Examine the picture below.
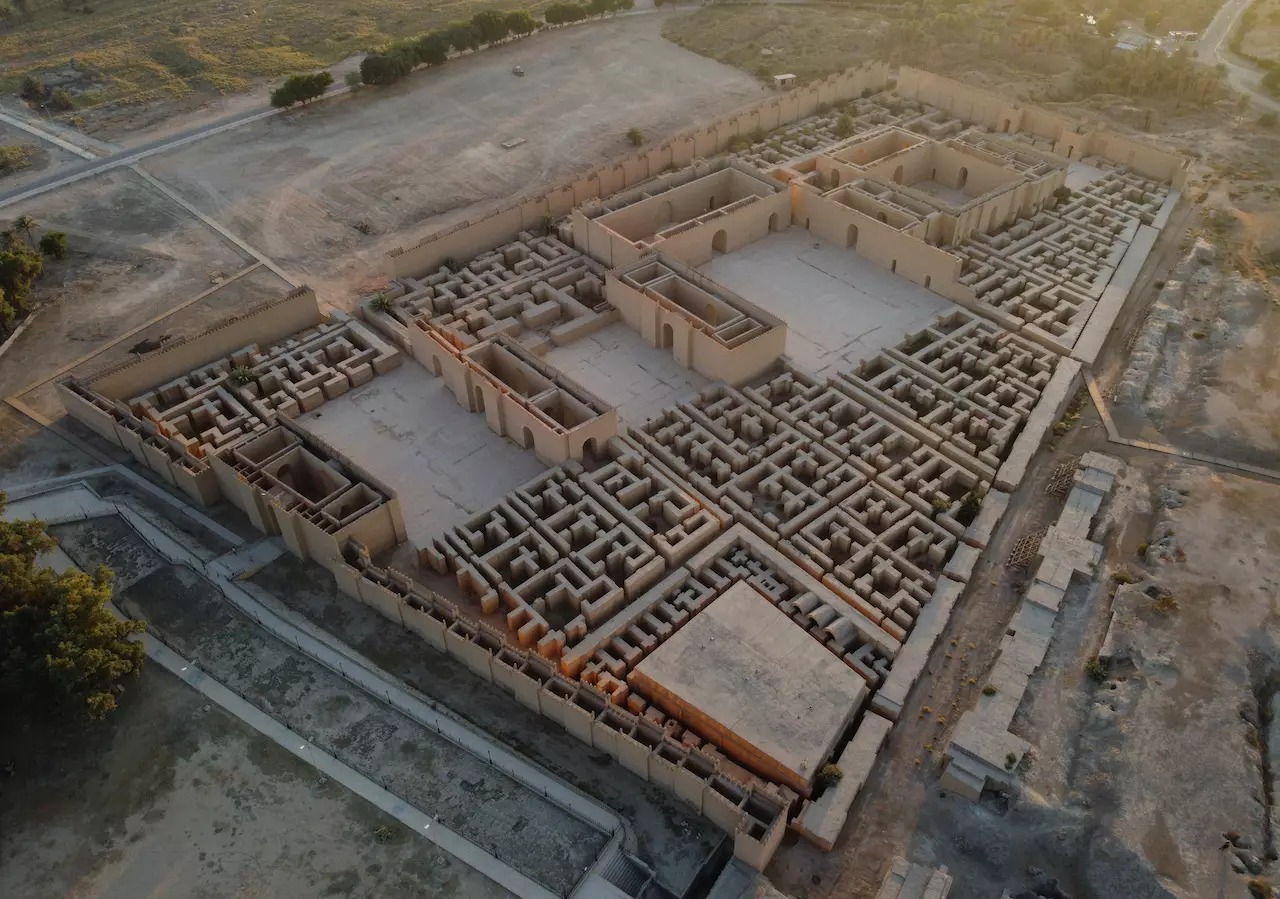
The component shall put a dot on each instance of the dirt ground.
(174, 797)
(463, 792)
(134, 255)
(671, 838)
(409, 159)
(45, 158)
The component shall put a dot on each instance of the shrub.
(989, 690)
(14, 157)
(61, 100)
(970, 505)
(352, 79)
(1062, 194)
(431, 49)
(381, 303)
(844, 125)
(54, 243)
(1096, 669)
(635, 137)
(33, 89)
(241, 376)
(490, 25)
(829, 776)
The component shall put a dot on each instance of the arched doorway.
(893, 266)
(720, 242)
(881, 217)
(527, 436)
(897, 175)
(851, 236)
(589, 449)
(1005, 126)
(668, 336)
(773, 222)
(927, 281)
(435, 366)
(479, 400)
(835, 178)
(963, 178)
(664, 214)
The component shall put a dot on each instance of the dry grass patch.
(142, 51)
(806, 41)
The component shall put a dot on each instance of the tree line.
(21, 263)
(393, 61)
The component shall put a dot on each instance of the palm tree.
(26, 224)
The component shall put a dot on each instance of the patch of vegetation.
(301, 89)
(635, 137)
(989, 690)
(381, 303)
(1096, 669)
(241, 376)
(20, 266)
(54, 243)
(61, 649)
(970, 505)
(828, 776)
(14, 158)
(143, 52)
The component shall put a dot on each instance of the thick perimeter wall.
(468, 239)
(1070, 137)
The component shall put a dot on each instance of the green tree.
(301, 88)
(491, 25)
(432, 49)
(844, 125)
(635, 136)
(384, 68)
(521, 21)
(60, 646)
(26, 224)
(54, 243)
(462, 36)
(19, 267)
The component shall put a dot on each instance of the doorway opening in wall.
(897, 175)
(1069, 149)
(933, 174)
(527, 436)
(806, 224)
(963, 178)
(711, 203)
(479, 400)
(590, 450)
(991, 223)
(435, 366)
(668, 337)
(665, 213)
(1005, 126)
(835, 178)
(893, 266)
(720, 242)
(927, 281)
(881, 217)
(773, 222)
(851, 236)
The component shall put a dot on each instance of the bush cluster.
(563, 13)
(301, 88)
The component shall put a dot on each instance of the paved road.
(1213, 49)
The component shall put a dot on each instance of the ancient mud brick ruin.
(741, 590)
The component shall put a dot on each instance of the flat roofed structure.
(749, 677)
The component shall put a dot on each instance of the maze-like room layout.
(732, 597)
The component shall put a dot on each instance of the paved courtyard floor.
(839, 307)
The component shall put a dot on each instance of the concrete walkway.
(68, 499)
(46, 136)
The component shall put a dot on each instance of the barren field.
(173, 797)
(43, 160)
(394, 160)
(134, 254)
